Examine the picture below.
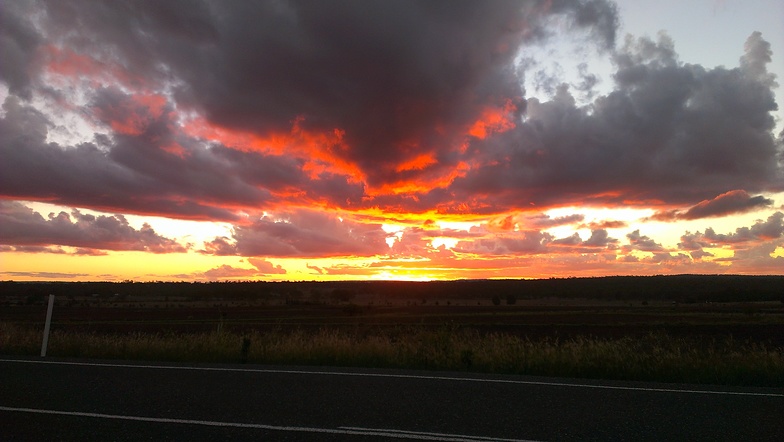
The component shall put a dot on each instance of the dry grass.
(655, 357)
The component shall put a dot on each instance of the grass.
(654, 357)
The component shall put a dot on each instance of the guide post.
(48, 324)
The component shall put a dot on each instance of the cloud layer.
(310, 126)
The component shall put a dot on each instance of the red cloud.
(494, 120)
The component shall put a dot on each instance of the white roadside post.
(48, 324)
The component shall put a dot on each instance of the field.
(700, 337)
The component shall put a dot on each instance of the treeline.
(676, 288)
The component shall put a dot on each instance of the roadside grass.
(653, 357)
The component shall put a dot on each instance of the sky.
(206, 140)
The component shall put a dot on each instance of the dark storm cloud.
(736, 201)
(18, 41)
(21, 226)
(126, 174)
(669, 132)
(399, 79)
(148, 167)
(394, 75)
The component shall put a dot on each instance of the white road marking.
(397, 434)
(423, 433)
(399, 376)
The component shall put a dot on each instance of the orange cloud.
(494, 120)
(417, 163)
(318, 151)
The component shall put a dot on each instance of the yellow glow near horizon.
(143, 266)
(400, 276)
(140, 266)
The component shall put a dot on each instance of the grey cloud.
(693, 242)
(772, 228)
(669, 131)
(522, 242)
(543, 221)
(642, 243)
(761, 231)
(135, 173)
(18, 40)
(302, 233)
(758, 259)
(754, 62)
(572, 240)
(699, 254)
(129, 176)
(21, 226)
(221, 246)
(667, 258)
(600, 238)
(587, 81)
(736, 201)
(57, 250)
(530, 242)
(599, 16)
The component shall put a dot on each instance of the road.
(51, 399)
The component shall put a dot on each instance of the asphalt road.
(50, 399)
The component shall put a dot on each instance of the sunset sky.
(334, 140)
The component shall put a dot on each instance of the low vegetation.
(686, 328)
(653, 357)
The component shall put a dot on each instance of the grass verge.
(654, 357)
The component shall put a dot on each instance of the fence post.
(47, 326)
